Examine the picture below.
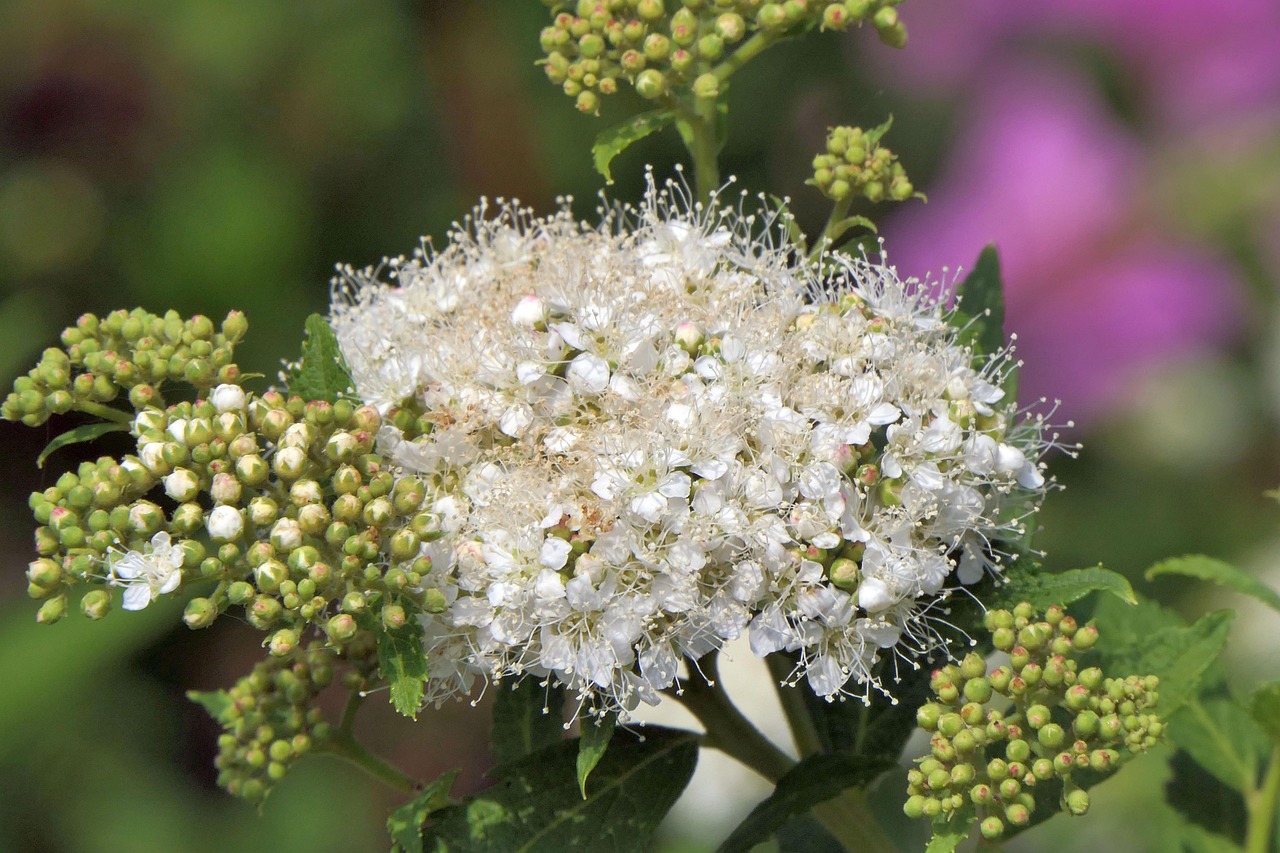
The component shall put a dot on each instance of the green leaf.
(527, 717)
(321, 373)
(1043, 589)
(1221, 737)
(981, 299)
(1219, 572)
(1204, 801)
(404, 825)
(805, 834)
(1180, 655)
(85, 432)
(947, 834)
(216, 702)
(875, 134)
(592, 745)
(403, 663)
(612, 142)
(536, 806)
(1265, 707)
(814, 780)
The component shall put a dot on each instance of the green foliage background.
(204, 155)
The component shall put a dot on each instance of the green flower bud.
(928, 716)
(836, 17)
(1052, 736)
(1077, 802)
(434, 601)
(711, 47)
(978, 690)
(1104, 760)
(992, 828)
(1018, 750)
(1037, 716)
(949, 725)
(53, 610)
(239, 592)
(1085, 638)
(44, 573)
(1000, 679)
(997, 770)
(1004, 639)
(914, 806)
(588, 102)
(199, 613)
(263, 512)
(706, 86)
(1017, 814)
(96, 603)
(341, 628)
(657, 47)
(283, 642)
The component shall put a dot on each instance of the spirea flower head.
(644, 438)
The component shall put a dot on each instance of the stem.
(847, 816)
(349, 712)
(343, 745)
(727, 729)
(750, 49)
(798, 717)
(1262, 808)
(107, 413)
(701, 121)
(833, 229)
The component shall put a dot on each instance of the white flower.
(653, 435)
(145, 576)
(182, 485)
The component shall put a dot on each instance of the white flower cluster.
(644, 438)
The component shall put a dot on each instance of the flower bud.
(1077, 802)
(992, 828)
(283, 642)
(225, 523)
(270, 575)
(434, 601)
(96, 603)
(228, 398)
(182, 485)
(1017, 814)
(1085, 638)
(263, 613)
(706, 86)
(53, 610)
(199, 613)
(1052, 736)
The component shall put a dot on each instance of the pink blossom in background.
(1195, 62)
(1095, 292)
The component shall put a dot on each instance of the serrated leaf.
(404, 824)
(85, 432)
(536, 806)
(216, 702)
(612, 142)
(981, 300)
(1265, 708)
(814, 780)
(948, 833)
(403, 663)
(1180, 655)
(1219, 572)
(592, 745)
(321, 373)
(527, 717)
(1044, 589)
(1221, 737)
(1204, 801)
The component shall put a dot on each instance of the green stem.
(107, 413)
(833, 229)
(349, 711)
(847, 816)
(798, 716)
(343, 745)
(750, 49)
(701, 121)
(727, 729)
(1262, 808)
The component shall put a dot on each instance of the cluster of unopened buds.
(270, 721)
(855, 164)
(1008, 739)
(659, 51)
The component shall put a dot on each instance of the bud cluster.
(270, 721)
(1029, 726)
(127, 352)
(855, 164)
(661, 52)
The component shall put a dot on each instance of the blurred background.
(204, 155)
